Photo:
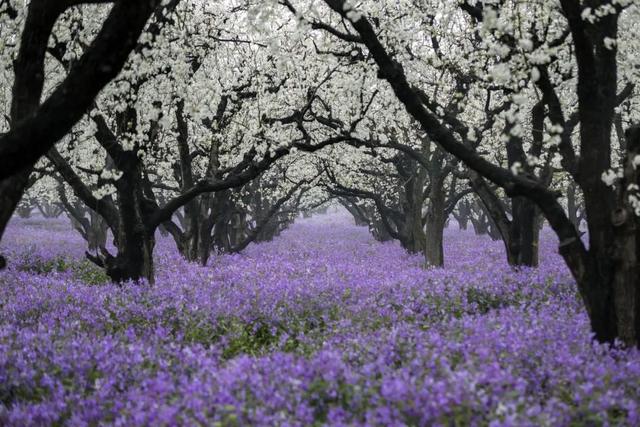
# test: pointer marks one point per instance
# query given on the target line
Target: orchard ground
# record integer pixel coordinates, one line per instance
(322, 326)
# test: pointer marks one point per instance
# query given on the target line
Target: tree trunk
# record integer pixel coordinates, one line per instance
(463, 214)
(626, 283)
(608, 273)
(524, 233)
(192, 224)
(435, 222)
(222, 218)
(207, 219)
(134, 241)
(134, 260)
(206, 241)
(411, 230)
(520, 235)
(11, 191)
(625, 267)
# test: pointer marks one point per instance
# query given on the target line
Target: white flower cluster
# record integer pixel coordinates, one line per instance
(352, 14)
(111, 174)
(516, 168)
(553, 137)
(500, 74)
(610, 177)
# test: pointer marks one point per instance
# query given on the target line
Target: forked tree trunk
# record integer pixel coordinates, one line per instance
(237, 229)
(133, 240)
(195, 241)
(496, 213)
(520, 235)
(194, 249)
(221, 234)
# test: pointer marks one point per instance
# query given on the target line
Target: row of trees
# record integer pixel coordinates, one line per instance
(166, 147)
(575, 63)
(220, 116)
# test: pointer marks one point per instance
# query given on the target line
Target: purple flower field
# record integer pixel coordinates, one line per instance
(322, 326)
